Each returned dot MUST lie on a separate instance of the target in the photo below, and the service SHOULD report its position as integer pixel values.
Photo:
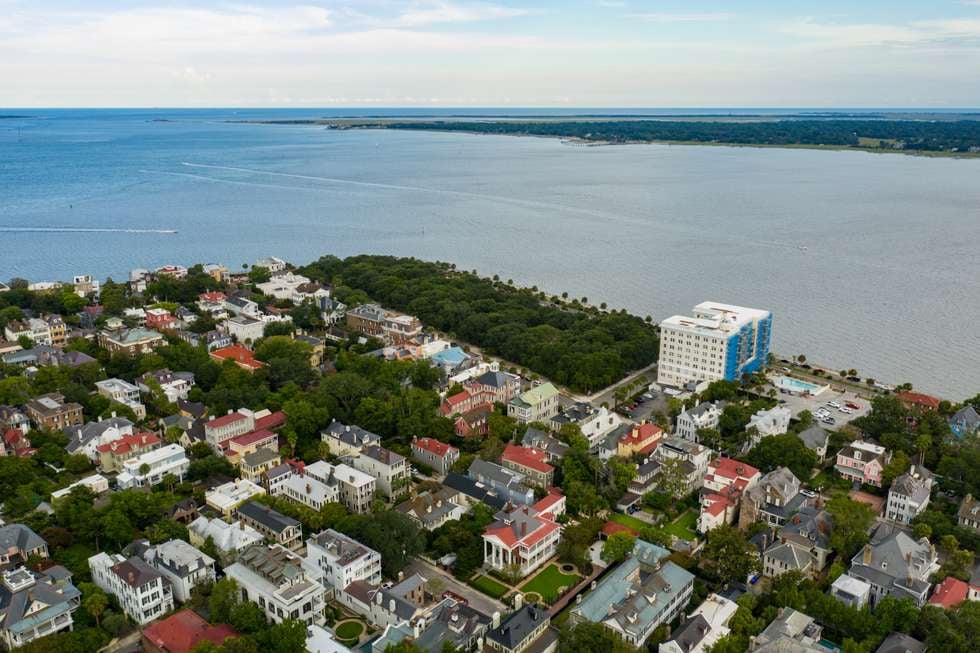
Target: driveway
(477, 600)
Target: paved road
(477, 600)
(127, 644)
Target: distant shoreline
(512, 127)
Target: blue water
(867, 261)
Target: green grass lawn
(683, 526)
(489, 586)
(628, 521)
(349, 631)
(548, 581)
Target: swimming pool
(796, 385)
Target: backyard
(683, 526)
(628, 521)
(547, 583)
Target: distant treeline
(569, 341)
(917, 135)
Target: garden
(547, 583)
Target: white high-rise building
(718, 342)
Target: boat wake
(87, 230)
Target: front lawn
(489, 586)
(548, 581)
(628, 521)
(349, 631)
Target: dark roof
(135, 572)
(691, 633)
(475, 490)
(271, 519)
(518, 626)
(901, 643)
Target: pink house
(862, 462)
(724, 484)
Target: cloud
(659, 17)
(428, 13)
(923, 32)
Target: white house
(308, 491)
(342, 561)
(141, 590)
(183, 565)
(170, 459)
(275, 579)
(35, 604)
(909, 495)
(705, 415)
(356, 487)
(228, 538)
(703, 627)
(520, 536)
(390, 470)
(122, 392)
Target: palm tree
(95, 604)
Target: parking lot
(798, 403)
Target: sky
(457, 53)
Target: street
(477, 600)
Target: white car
(846, 411)
(833, 404)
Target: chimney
(417, 628)
(391, 606)
(523, 528)
(496, 620)
(518, 601)
(866, 559)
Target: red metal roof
(272, 421)
(433, 446)
(127, 443)
(918, 399)
(180, 632)
(731, 468)
(527, 457)
(240, 354)
(225, 420)
(949, 593)
(250, 438)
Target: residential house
(451, 360)
(390, 326)
(693, 457)
(851, 591)
(241, 355)
(274, 578)
(772, 500)
(539, 404)
(895, 564)
(227, 497)
(86, 438)
(348, 440)
(727, 479)
(520, 536)
(949, 593)
(595, 423)
(703, 627)
(272, 264)
(18, 543)
(243, 431)
(244, 328)
(553, 448)
(356, 488)
(34, 329)
(183, 512)
(160, 319)
(918, 402)
(57, 329)
(239, 305)
(143, 593)
(14, 418)
(901, 643)
(35, 604)
(113, 454)
(15, 443)
(465, 401)
(150, 468)
(124, 393)
(130, 342)
(257, 463)
(449, 622)
(96, 483)
(50, 412)
(175, 271)
(388, 605)
(390, 470)
(767, 423)
(317, 347)
(432, 453)
(342, 560)
(530, 462)
(508, 484)
(640, 440)
(285, 287)
(275, 526)
(210, 340)
(502, 386)
(791, 630)
(181, 632)
(308, 491)
(862, 462)
(802, 544)
(816, 440)
(705, 415)
(183, 565)
(524, 629)
(473, 423)
(965, 421)
(909, 495)
(229, 539)
(968, 515)
(175, 385)
(430, 510)
(634, 599)
(472, 492)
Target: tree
(224, 597)
(851, 521)
(785, 450)
(730, 555)
(617, 547)
(588, 637)
(672, 479)
(95, 601)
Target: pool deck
(797, 404)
